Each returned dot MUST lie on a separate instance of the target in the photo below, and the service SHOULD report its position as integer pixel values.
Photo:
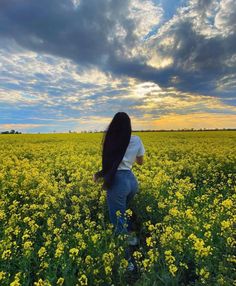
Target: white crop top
(134, 149)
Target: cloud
(225, 19)
(110, 35)
(164, 101)
(199, 50)
(23, 127)
(146, 15)
(196, 121)
(169, 121)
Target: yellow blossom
(225, 224)
(227, 203)
(177, 235)
(124, 263)
(128, 213)
(150, 241)
(88, 259)
(60, 281)
(42, 251)
(83, 280)
(6, 254)
(173, 269)
(2, 275)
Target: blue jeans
(124, 187)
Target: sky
(72, 64)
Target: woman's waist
(124, 171)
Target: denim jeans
(119, 195)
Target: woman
(120, 151)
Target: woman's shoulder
(135, 138)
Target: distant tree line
(167, 130)
(187, 130)
(11, 132)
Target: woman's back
(134, 149)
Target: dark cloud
(58, 28)
(89, 35)
(199, 51)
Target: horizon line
(139, 130)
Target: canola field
(54, 224)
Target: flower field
(54, 224)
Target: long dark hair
(115, 142)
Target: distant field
(54, 225)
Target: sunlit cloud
(196, 121)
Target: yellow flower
(177, 235)
(50, 222)
(2, 275)
(230, 241)
(124, 263)
(173, 211)
(200, 248)
(150, 241)
(231, 258)
(161, 205)
(207, 234)
(88, 259)
(169, 257)
(137, 254)
(40, 282)
(108, 258)
(95, 238)
(60, 281)
(169, 230)
(15, 283)
(207, 226)
(227, 203)
(192, 236)
(108, 269)
(74, 252)
(184, 265)
(151, 227)
(6, 254)
(173, 269)
(83, 280)
(204, 273)
(27, 245)
(153, 256)
(179, 195)
(56, 231)
(128, 213)
(59, 250)
(44, 265)
(225, 224)
(189, 213)
(118, 213)
(168, 252)
(145, 263)
(2, 215)
(42, 251)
